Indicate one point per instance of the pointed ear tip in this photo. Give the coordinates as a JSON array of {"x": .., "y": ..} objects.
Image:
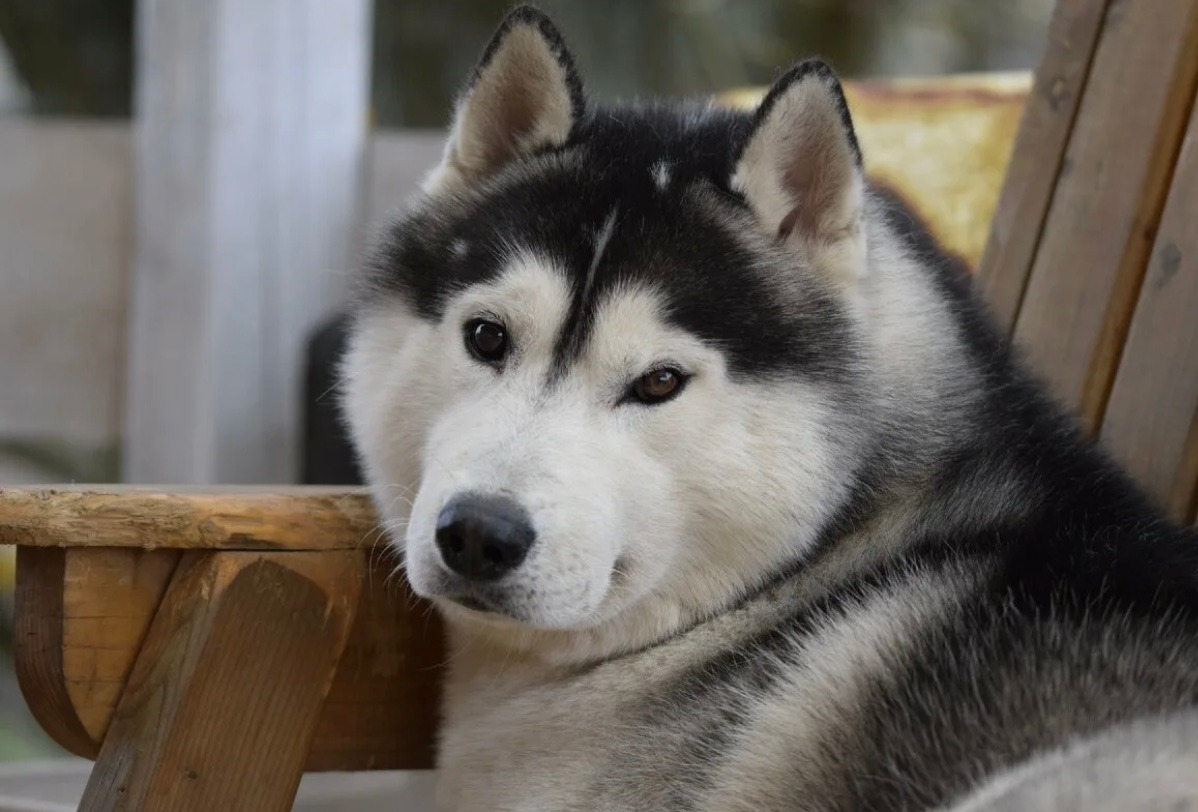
[
  {"x": 811, "y": 70},
  {"x": 803, "y": 74},
  {"x": 530, "y": 15}
]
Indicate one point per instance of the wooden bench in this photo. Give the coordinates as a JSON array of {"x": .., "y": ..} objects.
[{"x": 207, "y": 647}]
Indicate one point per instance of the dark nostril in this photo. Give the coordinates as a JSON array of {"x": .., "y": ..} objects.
[{"x": 483, "y": 537}]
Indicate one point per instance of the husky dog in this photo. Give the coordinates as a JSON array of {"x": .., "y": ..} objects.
[{"x": 729, "y": 492}]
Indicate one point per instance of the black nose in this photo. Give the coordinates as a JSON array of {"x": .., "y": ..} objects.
[{"x": 483, "y": 537}]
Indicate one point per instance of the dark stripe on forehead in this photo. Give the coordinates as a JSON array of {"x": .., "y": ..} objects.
[{"x": 580, "y": 317}]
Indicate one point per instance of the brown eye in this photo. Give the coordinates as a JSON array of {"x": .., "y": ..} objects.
[
  {"x": 657, "y": 386},
  {"x": 486, "y": 340}
]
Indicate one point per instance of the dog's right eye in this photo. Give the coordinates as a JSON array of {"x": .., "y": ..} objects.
[{"x": 486, "y": 340}]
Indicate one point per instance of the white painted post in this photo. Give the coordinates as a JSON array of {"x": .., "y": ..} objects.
[{"x": 251, "y": 125}]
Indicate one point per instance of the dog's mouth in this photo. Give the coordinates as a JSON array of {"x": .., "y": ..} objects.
[
  {"x": 471, "y": 602},
  {"x": 476, "y": 603}
]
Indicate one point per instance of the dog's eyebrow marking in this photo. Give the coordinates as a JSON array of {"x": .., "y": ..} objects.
[
  {"x": 459, "y": 247},
  {"x": 661, "y": 174},
  {"x": 601, "y": 241},
  {"x": 576, "y": 322}
]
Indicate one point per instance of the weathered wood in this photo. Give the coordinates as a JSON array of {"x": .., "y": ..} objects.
[
  {"x": 108, "y": 603},
  {"x": 294, "y": 519},
  {"x": 1150, "y": 422},
  {"x": 1108, "y": 199},
  {"x": 1048, "y": 119},
  {"x": 382, "y": 711},
  {"x": 221, "y": 706},
  {"x": 38, "y": 651},
  {"x": 379, "y": 714},
  {"x": 250, "y": 138}
]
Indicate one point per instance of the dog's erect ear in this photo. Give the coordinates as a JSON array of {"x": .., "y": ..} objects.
[
  {"x": 800, "y": 168},
  {"x": 524, "y": 95}
]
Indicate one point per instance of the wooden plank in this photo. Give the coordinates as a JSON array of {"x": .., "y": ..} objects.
[
  {"x": 1035, "y": 163},
  {"x": 66, "y": 232},
  {"x": 1151, "y": 422},
  {"x": 38, "y": 651},
  {"x": 249, "y": 145},
  {"x": 221, "y": 706},
  {"x": 380, "y": 712},
  {"x": 108, "y": 602},
  {"x": 1108, "y": 199},
  {"x": 295, "y": 519},
  {"x": 383, "y": 708}
]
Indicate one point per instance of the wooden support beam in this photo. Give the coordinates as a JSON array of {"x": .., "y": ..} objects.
[
  {"x": 221, "y": 706},
  {"x": 249, "y": 147},
  {"x": 1151, "y": 422}
]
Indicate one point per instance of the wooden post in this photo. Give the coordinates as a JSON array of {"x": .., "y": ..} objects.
[
  {"x": 222, "y": 705},
  {"x": 251, "y": 121}
]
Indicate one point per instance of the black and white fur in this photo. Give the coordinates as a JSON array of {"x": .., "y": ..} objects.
[{"x": 860, "y": 561}]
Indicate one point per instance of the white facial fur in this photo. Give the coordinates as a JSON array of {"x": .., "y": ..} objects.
[{"x": 645, "y": 515}]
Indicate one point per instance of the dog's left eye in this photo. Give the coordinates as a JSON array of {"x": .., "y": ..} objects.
[
  {"x": 486, "y": 340},
  {"x": 657, "y": 386}
]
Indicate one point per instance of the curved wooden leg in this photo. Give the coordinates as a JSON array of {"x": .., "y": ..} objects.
[{"x": 221, "y": 706}]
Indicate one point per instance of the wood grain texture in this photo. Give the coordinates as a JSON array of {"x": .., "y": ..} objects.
[
  {"x": 1151, "y": 418},
  {"x": 221, "y": 706},
  {"x": 1048, "y": 119},
  {"x": 108, "y": 603},
  {"x": 380, "y": 712},
  {"x": 294, "y": 519},
  {"x": 38, "y": 651},
  {"x": 1108, "y": 199}
]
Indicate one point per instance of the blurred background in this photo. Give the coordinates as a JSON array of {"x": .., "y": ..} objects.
[{"x": 164, "y": 278}]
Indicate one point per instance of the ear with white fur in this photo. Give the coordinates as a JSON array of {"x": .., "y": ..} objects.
[
  {"x": 800, "y": 169},
  {"x": 523, "y": 96}
]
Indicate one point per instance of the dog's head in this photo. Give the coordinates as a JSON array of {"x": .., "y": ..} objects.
[{"x": 602, "y": 365}]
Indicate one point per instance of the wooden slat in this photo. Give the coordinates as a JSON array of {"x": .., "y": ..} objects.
[
  {"x": 1048, "y": 119},
  {"x": 1151, "y": 422},
  {"x": 1108, "y": 199},
  {"x": 380, "y": 712},
  {"x": 221, "y": 705},
  {"x": 294, "y": 519}
]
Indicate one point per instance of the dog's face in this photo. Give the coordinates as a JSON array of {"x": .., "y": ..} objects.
[{"x": 602, "y": 362}]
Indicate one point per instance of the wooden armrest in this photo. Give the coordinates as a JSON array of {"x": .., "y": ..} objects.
[
  {"x": 241, "y": 518},
  {"x": 94, "y": 566}
]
